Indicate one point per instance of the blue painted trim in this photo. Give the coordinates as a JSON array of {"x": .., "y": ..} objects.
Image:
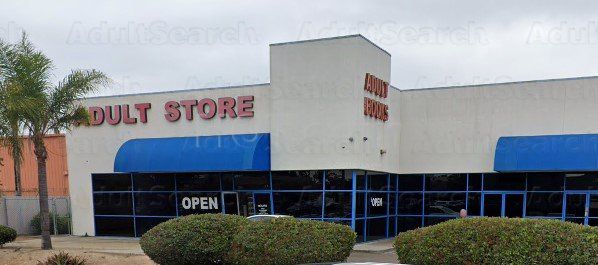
[{"x": 353, "y": 198}]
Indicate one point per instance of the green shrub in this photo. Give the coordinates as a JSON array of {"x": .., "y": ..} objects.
[
  {"x": 63, "y": 258},
  {"x": 62, "y": 222},
  {"x": 193, "y": 239},
  {"x": 7, "y": 235},
  {"x": 292, "y": 241},
  {"x": 499, "y": 241}
]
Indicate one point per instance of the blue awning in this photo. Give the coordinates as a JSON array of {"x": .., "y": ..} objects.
[
  {"x": 240, "y": 152},
  {"x": 574, "y": 152}
]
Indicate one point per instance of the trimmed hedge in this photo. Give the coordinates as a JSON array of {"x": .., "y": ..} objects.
[
  {"x": 292, "y": 241},
  {"x": 7, "y": 235},
  {"x": 193, "y": 239},
  {"x": 499, "y": 241},
  {"x": 61, "y": 221}
]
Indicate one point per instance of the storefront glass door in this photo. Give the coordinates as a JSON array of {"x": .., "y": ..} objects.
[
  {"x": 503, "y": 204},
  {"x": 252, "y": 203}
]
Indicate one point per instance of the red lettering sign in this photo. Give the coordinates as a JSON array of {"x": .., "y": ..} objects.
[
  {"x": 375, "y": 85},
  {"x": 225, "y": 107}
]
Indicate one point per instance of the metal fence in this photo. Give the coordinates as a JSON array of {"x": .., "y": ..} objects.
[{"x": 22, "y": 214}]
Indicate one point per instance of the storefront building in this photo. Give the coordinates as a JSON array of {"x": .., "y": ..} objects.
[{"x": 329, "y": 139}]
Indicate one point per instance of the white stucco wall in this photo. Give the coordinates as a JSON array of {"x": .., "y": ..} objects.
[
  {"x": 312, "y": 107},
  {"x": 453, "y": 130},
  {"x": 93, "y": 149},
  {"x": 317, "y": 105}
]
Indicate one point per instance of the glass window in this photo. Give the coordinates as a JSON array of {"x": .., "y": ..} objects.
[
  {"x": 359, "y": 229},
  {"x": 360, "y": 204},
  {"x": 297, "y": 180},
  {"x": 114, "y": 226},
  {"x": 391, "y": 226},
  {"x": 501, "y": 181},
  {"x": 250, "y": 180},
  {"x": 492, "y": 205},
  {"x": 593, "y": 205},
  {"x": 444, "y": 203},
  {"x": 198, "y": 181},
  {"x": 155, "y": 204},
  {"x": 338, "y": 205},
  {"x": 392, "y": 204},
  {"x": 514, "y": 205},
  {"x": 393, "y": 182},
  {"x": 377, "y": 181},
  {"x": 545, "y": 181},
  {"x": 338, "y": 180},
  {"x": 143, "y": 224},
  {"x": 199, "y": 203},
  {"x": 298, "y": 204},
  {"x": 410, "y": 182},
  {"x": 428, "y": 221},
  {"x": 111, "y": 182},
  {"x": 544, "y": 204},
  {"x": 576, "y": 205},
  {"x": 376, "y": 228},
  {"x": 153, "y": 182},
  {"x": 582, "y": 181},
  {"x": 475, "y": 182},
  {"x": 360, "y": 179},
  {"x": 376, "y": 204},
  {"x": 112, "y": 204},
  {"x": 410, "y": 203},
  {"x": 474, "y": 201},
  {"x": 408, "y": 223},
  {"x": 446, "y": 182}
]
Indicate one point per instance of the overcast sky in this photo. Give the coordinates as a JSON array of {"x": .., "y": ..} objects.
[{"x": 169, "y": 45}]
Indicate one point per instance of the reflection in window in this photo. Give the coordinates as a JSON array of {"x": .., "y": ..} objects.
[
  {"x": 428, "y": 221},
  {"x": 114, "y": 226},
  {"x": 408, "y": 223},
  {"x": 510, "y": 181},
  {"x": 249, "y": 180},
  {"x": 410, "y": 182},
  {"x": 298, "y": 204},
  {"x": 545, "y": 181},
  {"x": 112, "y": 204},
  {"x": 410, "y": 203},
  {"x": 377, "y": 181},
  {"x": 544, "y": 204},
  {"x": 474, "y": 201},
  {"x": 111, "y": 182},
  {"x": 446, "y": 182},
  {"x": 444, "y": 203},
  {"x": 143, "y": 224},
  {"x": 475, "y": 182},
  {"x": 153, "y": 182},
  {"x": 338, "y": 180},
  {"x": 297, "y": 180},
  {"x": 338, "y": 205},
  {"x": 198, "y": 181},
  {"x": 155, "y": 204},
  {"x": 376, "y": 228},
  {"x": 582, "y": 181},
  {"x": 360, "y": 175}
]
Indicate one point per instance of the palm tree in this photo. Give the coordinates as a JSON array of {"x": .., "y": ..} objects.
[
  {"x": 10, "y": 134},
  {"x": 43, "y": 107}
]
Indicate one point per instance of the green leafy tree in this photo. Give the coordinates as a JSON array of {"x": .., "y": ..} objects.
[{"x": 43, "y": 107}]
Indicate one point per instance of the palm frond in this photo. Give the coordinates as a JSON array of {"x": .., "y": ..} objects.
[{"x": 64, "y": 106}]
